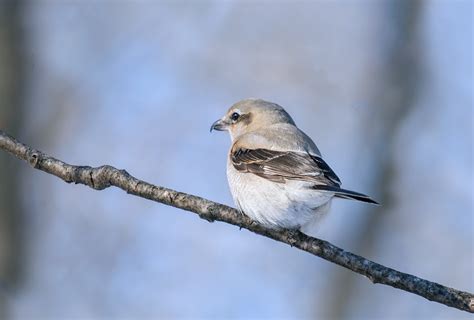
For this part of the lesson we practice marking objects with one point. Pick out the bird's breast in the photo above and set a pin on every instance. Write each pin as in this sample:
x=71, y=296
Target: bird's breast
x=286, y=205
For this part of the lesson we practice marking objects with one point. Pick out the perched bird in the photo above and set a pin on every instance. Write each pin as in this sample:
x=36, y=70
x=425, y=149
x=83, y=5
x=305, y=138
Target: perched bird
x=275, y=171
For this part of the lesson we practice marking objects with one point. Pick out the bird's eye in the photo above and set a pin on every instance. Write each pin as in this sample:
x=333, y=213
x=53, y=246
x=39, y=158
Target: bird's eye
x=234, y=116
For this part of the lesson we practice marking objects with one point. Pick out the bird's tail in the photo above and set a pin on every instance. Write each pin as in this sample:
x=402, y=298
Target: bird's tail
x=345, y=194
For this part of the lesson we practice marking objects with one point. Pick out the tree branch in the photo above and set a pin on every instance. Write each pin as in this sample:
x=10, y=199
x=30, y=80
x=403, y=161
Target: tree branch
x=106, y=176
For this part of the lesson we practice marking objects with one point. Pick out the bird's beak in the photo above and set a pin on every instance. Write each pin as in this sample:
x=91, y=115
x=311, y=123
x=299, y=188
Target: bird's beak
x=219, y=125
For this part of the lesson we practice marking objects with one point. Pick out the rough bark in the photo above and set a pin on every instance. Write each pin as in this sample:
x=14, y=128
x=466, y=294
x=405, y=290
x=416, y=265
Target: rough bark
x=106, y=176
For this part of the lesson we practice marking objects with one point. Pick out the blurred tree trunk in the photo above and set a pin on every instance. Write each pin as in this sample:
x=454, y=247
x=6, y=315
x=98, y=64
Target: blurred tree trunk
x=11, y=86
x=397, y=90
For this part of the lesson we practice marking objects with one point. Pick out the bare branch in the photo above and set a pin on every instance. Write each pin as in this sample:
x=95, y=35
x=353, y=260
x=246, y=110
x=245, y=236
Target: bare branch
x=105, y=176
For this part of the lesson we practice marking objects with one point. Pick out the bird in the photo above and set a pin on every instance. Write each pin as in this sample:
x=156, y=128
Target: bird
x=275, y=172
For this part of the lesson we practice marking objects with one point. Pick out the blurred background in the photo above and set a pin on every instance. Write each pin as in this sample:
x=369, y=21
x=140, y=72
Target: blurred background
x=383, y=87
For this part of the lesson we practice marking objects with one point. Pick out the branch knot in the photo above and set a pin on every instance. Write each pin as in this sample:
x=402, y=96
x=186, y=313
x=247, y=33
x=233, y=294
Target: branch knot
x=33, y=158
x=100, y=177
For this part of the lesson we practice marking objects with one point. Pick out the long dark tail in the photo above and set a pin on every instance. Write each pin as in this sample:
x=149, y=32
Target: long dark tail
x=345, y=194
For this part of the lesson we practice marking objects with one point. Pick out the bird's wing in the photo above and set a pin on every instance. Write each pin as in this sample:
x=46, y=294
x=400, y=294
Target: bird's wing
x=279, y=166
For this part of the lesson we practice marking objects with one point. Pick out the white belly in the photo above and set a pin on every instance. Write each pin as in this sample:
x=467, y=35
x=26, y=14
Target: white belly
x=277, y=205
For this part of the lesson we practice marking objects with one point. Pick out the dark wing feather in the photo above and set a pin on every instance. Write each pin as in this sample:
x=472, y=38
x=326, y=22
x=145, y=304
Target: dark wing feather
x=279, y=166
x=346, y=194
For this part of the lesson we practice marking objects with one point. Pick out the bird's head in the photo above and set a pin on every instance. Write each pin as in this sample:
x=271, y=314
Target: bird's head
x=249, y=115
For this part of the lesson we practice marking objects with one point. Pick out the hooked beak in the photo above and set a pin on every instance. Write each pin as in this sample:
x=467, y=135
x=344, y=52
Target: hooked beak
x=219, y=125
